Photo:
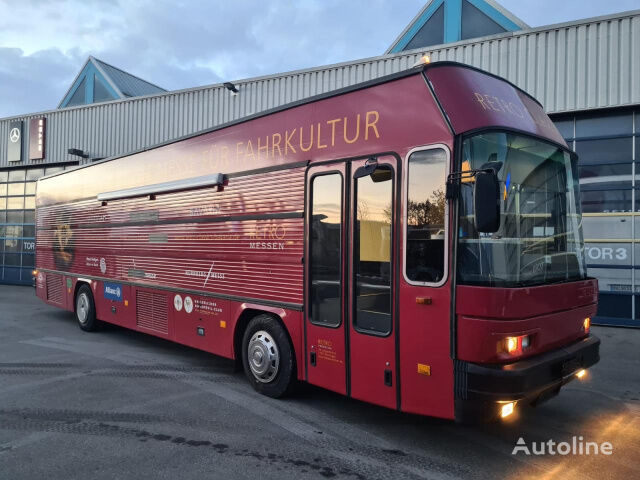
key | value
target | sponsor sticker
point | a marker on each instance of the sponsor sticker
(177, 303)
(103, 265)
(113, 291)
(188, 304)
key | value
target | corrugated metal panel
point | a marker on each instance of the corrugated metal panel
(54, 288)
(178, 237)
(575, 66)
(152, 312)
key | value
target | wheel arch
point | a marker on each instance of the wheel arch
(79, 283)
(287, 320)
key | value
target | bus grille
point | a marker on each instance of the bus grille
(151, 311)
(54, 288)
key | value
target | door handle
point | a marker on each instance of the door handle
(313, 359)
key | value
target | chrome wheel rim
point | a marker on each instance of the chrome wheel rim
(264, 357)
(82, 308)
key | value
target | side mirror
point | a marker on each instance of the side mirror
(486, 201)
(366, 170)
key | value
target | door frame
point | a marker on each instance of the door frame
(397, 249)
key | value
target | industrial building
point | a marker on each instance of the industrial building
(586, 73)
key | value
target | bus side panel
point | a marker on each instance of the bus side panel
(244, 240)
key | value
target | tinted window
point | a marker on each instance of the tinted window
(35, 173)
(372, 250)
(100, 92)
(601, 125)
(565, 127)
(16, 175)
(594, 171)
(431, 33)
(477, 24)
(326, 253)
(78, 97)
(606, 201)
(426, 216)
(612, 150)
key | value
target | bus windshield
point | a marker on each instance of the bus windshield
(540, 236)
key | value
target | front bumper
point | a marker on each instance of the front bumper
(479, 388)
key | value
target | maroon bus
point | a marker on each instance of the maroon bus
(414, 241)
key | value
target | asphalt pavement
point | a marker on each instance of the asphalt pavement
(120, 404)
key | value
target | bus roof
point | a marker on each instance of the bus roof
(333, 93)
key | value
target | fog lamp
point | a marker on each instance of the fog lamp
(507, 409)
(581, 373)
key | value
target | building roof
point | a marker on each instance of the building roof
(99, 81)
(446, 21)
(127, 84)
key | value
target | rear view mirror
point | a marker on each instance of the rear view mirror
(365, 170)
(486, 201)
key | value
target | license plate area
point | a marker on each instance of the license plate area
(570, 366)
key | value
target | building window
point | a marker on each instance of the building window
(609, 169)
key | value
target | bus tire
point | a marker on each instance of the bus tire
(267, 357)
(85, 309)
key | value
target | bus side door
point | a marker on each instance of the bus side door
(373, 254)
(350, 258)
(325, 258)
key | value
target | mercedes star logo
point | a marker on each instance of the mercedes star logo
(14, 135)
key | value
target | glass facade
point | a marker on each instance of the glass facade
(17, 222)
(607, 145)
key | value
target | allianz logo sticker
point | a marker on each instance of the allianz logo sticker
(113, 291)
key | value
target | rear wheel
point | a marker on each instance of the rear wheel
(85, 309)
(268, 357)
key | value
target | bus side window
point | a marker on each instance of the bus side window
(426, 230)
(326, 254)
(372, 251)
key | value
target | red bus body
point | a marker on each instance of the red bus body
(194, 264)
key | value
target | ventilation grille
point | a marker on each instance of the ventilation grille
(152, 312)
(54, 288)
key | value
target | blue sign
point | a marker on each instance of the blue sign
(113, 291)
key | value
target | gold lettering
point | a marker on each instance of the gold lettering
(490, 102)
(319, 145)
(310, 140)
(249, 152)
(480, 100)
(224, 155)
(354, 139)
(333, 130)
(238, 150)
(287, 142)
(506, 107)
(371, 124)
(275, 144)
(265, 147)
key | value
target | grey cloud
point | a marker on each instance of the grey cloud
(185, 44)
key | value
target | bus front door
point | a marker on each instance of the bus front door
(350, 333)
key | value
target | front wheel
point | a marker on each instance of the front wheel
(268, 357)
(85, 309)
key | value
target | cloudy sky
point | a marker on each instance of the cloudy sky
(185, 43)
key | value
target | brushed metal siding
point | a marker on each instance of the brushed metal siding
(574, 66)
